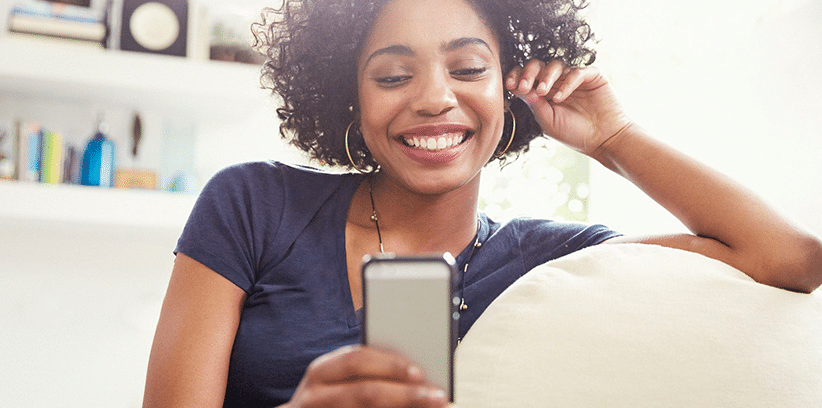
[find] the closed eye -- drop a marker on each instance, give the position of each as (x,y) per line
(392,81)
(469,73)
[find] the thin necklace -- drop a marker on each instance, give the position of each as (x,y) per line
(477,244)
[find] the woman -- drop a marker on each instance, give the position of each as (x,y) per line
(262,304)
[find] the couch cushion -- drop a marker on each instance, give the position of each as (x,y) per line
(642,326)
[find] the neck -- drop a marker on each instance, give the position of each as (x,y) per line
(419,223)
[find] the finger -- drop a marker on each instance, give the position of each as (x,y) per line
(512,78)
(549,77)
(357,362)
(570,83)
(376,394)
(528,76)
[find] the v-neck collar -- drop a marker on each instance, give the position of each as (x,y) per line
(354,316)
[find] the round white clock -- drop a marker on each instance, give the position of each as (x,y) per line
(154,26)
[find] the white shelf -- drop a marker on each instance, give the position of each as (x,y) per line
(62,207)
(43,69)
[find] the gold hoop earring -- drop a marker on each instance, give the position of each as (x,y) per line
(348,151)
(513,131)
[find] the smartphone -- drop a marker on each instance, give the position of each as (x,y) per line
(409,307)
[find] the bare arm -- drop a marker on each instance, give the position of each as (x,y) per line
(192,347)
(730,223)
(579,108)
(189,359)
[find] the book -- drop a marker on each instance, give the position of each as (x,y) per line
(59,11)
(20,23)
(84,3)
(62,41)
(59,20)
(28,151)
(51,159)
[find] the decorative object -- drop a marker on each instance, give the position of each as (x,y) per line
(348,151)
(513,132)
(142,179)
(98,160)
(159,27)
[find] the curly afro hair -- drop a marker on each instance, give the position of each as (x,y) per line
(312,48)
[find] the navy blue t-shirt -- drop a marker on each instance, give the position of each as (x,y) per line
(278,232)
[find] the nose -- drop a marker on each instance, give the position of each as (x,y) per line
(434,95)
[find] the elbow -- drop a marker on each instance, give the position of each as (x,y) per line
(800,270)
(813,264)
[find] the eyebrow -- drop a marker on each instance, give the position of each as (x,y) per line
(447,47)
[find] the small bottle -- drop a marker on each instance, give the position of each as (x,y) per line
(98,159)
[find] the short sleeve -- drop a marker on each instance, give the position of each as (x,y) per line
(237,213)
(516,247)
(545,241)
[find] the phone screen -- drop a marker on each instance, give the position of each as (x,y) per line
(409,308)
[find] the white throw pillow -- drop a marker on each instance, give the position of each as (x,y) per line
(642,326)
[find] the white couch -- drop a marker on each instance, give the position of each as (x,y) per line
(642,326)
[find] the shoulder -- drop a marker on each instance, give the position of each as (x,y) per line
(262,189)
(525,228)
(540,240)
(266,177)
(257,171)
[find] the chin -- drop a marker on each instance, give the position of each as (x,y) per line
(436,182)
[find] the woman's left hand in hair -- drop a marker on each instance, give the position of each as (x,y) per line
(576,106)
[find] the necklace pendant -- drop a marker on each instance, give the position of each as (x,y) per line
(374,216)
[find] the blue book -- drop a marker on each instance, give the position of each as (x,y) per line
(32,142)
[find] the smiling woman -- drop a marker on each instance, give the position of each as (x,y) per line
(313,66)
(431,78)
(264,303)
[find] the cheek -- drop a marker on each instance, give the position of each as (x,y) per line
(490,103)
(377,110)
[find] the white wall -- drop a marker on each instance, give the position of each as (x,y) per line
(733,83)
(78,308)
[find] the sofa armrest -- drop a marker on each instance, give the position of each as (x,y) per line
(642,326)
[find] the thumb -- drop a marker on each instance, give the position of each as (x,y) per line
(542,109)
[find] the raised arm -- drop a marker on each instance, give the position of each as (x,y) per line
(189,359)
(730,223)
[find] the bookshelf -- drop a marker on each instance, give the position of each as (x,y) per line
(63,208)
(204,92)
(51,70)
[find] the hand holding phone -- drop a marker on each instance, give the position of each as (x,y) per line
(339,378)
(408,307)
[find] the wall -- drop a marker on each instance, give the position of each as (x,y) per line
(733,83)
(79,306)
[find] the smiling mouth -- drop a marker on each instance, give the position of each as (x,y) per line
(438,142)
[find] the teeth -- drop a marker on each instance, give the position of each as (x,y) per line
(435,143)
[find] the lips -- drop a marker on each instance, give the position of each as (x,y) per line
(435,138)
(435,145)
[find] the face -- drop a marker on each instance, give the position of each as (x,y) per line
(431,94)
